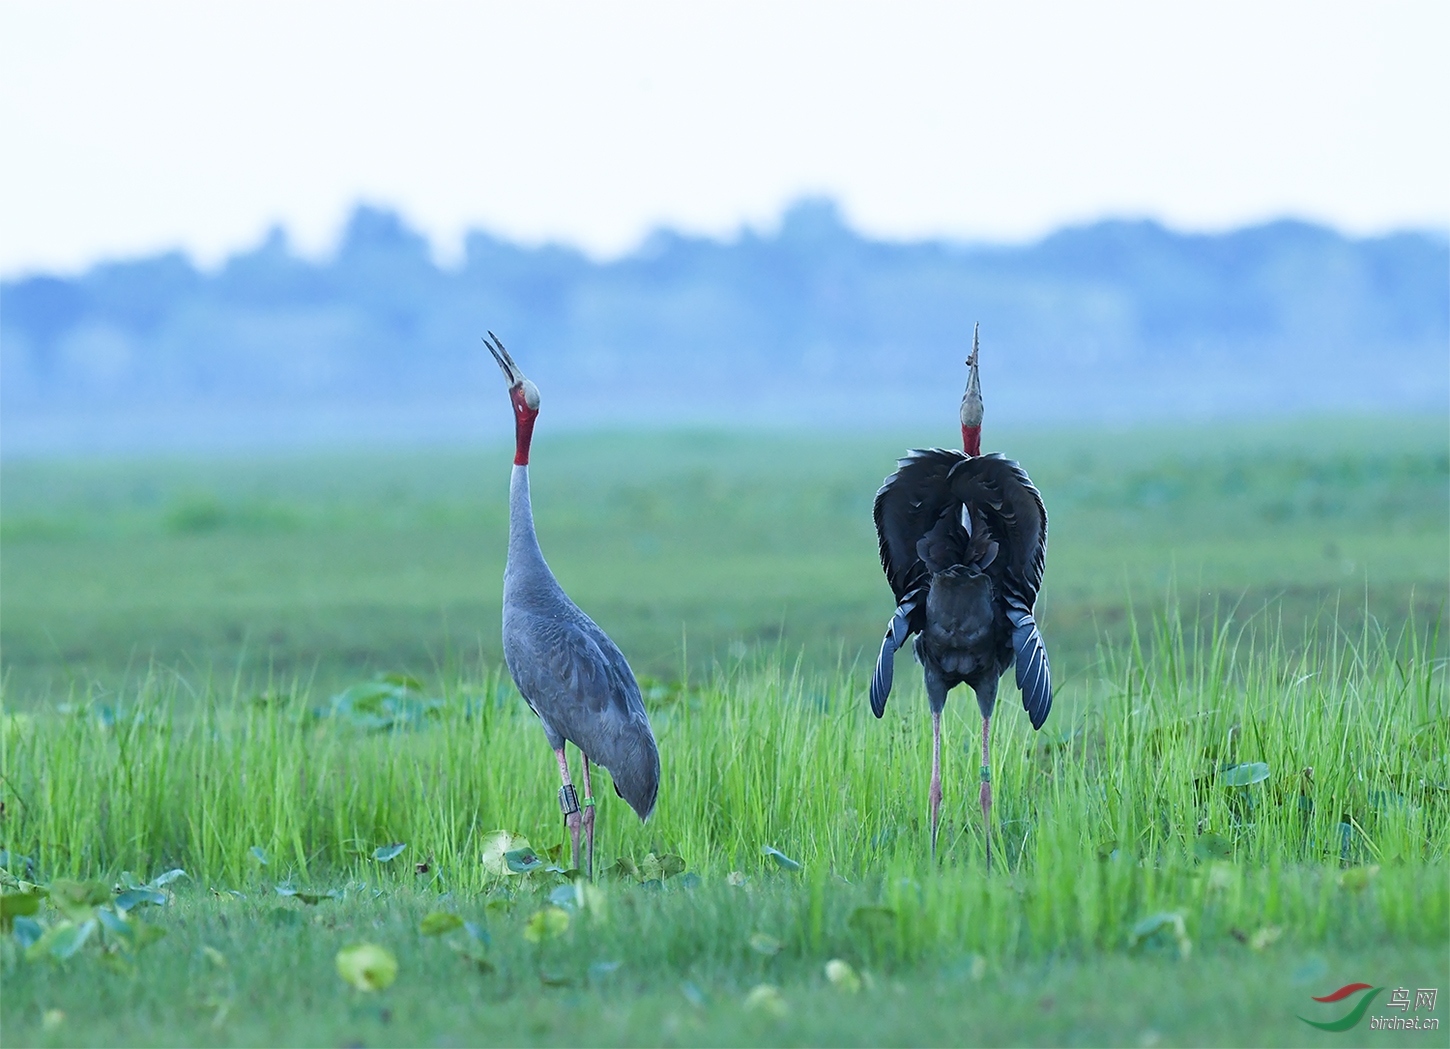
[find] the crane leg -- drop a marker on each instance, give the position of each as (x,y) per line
(569,802)
(588,819)
(935,792)
(986,791)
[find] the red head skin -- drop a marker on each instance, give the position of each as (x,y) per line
(524,417)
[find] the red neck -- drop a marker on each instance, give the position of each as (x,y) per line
(523,435)
(972,440)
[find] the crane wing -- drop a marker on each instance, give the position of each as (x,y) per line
(928,483)
(1005,496)
(908,505)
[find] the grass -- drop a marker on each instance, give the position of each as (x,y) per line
(322,570)
(1240,800)
(1125,810)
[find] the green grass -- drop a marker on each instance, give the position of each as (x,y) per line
(1122,811)
(174,633)
(687,548)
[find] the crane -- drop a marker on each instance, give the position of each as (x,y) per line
(963,540)
(567,669)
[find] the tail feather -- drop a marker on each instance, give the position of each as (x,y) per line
(1034,675)
(897,631)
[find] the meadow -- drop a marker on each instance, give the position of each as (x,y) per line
(281,677)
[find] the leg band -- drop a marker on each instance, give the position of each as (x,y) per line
(568,800)
(986,774)
(588,803)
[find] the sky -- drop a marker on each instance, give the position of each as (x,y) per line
(131,128)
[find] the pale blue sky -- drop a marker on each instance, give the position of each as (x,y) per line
(136,127)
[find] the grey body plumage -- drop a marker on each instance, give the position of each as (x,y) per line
(568,670)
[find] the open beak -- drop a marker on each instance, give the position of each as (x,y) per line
(506,363)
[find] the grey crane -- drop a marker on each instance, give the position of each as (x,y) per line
(566,668)
(963,543)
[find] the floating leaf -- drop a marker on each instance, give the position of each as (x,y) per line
(77,898)
(312,899)
(842,976)
(439,922)
(498,845)
(670,865)
(1244,775)
(384,853)
(522,861)
(27,930)
(163,880)
(766,998)
(115,925)
(367,966)
(258,854)
(548,923)
(136,897)
(1357,879)
(17,864)
(781,859)
(624,868)
(736,878)
(61,941)
(1210,846)
(563,896)
(764,943)
(1156,926)
(16,904)
(403,681)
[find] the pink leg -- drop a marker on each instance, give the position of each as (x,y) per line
(986,792)
(569,802)
(935,794)
(588,819)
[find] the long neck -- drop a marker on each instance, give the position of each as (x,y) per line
(523,436)
(972,440)
(523,543)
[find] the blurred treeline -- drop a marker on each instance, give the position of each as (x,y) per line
(806,324)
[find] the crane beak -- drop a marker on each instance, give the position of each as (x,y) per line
(511,371)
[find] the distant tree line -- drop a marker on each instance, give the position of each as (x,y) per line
(811,323)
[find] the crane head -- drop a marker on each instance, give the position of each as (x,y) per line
(522,391)
(524,395)
(971,413)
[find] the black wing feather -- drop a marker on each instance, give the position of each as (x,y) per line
(926,484)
